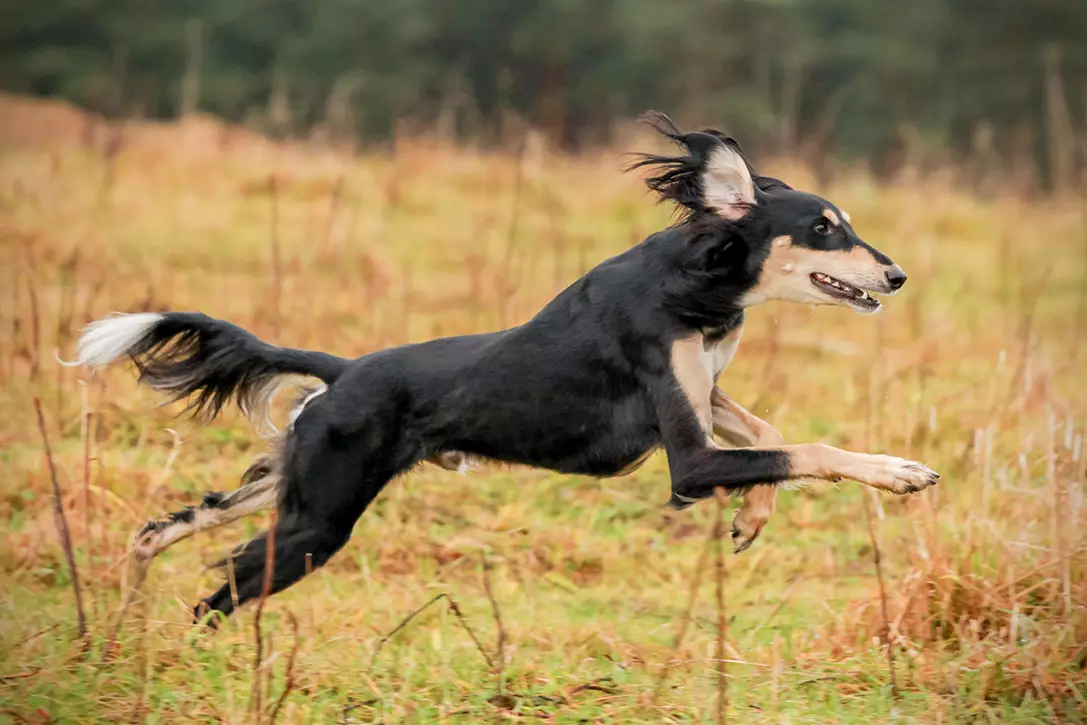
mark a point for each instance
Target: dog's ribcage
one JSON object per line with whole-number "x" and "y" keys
{"x": 715, "y": 358}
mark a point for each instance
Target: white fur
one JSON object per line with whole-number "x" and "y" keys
{"x": 260, "y": 408}
{"x": 727, "y": 186}
{"x": 113, "y": 337}
{"x": 297, "y": 411}
{"x": 249, "y": 499}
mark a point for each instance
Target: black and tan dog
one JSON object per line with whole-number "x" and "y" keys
{"x": 621, "y": 363}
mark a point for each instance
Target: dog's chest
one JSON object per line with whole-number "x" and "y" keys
{"x": 697, "y": 362}
{"x": 717, "y": 354}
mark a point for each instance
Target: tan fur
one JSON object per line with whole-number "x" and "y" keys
{"x": 636, "y": 464}
{"x": 689, "y": 365}
{"x": 886, "y": 473}
{"x": 740, "y": 428}
{"x": 260, "y": 491}
{"x": 720, "y": 354}
{"x": 786, "y": 272}
{"x": 696, "y": 366}
{"x": 832, "y": 217}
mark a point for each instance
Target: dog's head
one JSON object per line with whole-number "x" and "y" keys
{"x": 770, "y": 240}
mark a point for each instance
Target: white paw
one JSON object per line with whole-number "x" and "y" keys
{"x": 900, "y": 476}
{"x": 145, "y": 546}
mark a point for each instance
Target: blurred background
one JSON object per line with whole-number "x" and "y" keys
{"x": 996, "y": 87}
{"x": 348, "y": 175}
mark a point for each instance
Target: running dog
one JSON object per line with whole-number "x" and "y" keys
{"x": 621, "y": 363}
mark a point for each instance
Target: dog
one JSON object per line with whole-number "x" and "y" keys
{"x": 622, "y": 363}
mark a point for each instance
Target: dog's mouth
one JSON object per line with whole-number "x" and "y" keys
{"x": 852, "y": 295}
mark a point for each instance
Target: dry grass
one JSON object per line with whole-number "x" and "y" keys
{"x": 975, "y": 369}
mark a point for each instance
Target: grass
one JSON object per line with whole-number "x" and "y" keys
{"x": 975, "y": 369}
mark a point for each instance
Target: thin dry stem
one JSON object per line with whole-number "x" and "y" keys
{"x": 35, "y": 330}
{"x": 113, "y": 638}
{"x": 146, "y": 673}
{"x": 722, "y": 620}
{"x": 266, "y": 590}
{"x": 455, "y": 608}
{"x": 500, "y": 653}
{"x": 86, "y": 433}
{"x": 507, "y": 283}
{"x": 877, "y": 558}
{"x": 61, "y": 522}
{"x": 277, "y": 263}
{"x": 333, "y": 208}
{"x": 289, "y": 681}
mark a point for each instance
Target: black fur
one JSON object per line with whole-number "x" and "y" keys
{"x": 212, "y": 362}
{"x": 586, "y": 386}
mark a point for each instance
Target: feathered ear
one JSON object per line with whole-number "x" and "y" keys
{"x": 727, "y": 187}
{"x": 712, "y": 177}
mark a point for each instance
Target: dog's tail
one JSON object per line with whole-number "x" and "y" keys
{"x": 212, "y": 362}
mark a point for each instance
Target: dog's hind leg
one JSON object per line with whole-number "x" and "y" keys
{"x": 334, "y": 466}
{"x": 302, "y": 544}
{"x": 304, "y": 541}
{"x": 258, "y": 492}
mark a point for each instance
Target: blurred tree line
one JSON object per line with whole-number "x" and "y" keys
{"x": 996, "y": 84}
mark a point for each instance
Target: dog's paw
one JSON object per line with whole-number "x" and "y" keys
{"x": 902, "y": 477}
{"x": 144, "y": 546}
{"x": 745, "y": 529}
{"x": 757, "y": 509}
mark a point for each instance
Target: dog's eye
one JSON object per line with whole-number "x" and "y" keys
{"x": 822, "y": 227}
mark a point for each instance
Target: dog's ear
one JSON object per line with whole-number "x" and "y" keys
{"x": 727, "y": 187}
{"x": 762, "y": 183}
{"x": 714, "y": 177}
{"x": 769, "y": 183}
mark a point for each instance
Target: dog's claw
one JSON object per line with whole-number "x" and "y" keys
{"x": 742, "y": 545}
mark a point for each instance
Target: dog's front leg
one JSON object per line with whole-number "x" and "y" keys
{"x": 698, "y": 466}
{"x": 738, "y": 427}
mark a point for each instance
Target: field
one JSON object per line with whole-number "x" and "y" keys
{"x": 577, "y": 589}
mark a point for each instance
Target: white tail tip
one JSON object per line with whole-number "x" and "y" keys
{"x": 106, "y": 340}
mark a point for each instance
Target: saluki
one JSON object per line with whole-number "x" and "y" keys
{"x": 621, "y": 363}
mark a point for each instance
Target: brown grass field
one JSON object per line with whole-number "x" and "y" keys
{"x": 976, "y": 369}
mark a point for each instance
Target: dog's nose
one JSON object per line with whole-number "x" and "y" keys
{"x": 896, "y": 277}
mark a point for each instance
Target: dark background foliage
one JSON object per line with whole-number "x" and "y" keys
{"x": 996, "y": 83}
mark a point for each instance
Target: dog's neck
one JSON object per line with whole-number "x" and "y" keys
{"x": 715, "y": 333}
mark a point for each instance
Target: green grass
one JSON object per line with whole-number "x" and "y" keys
{"x": 975, "y": 369}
